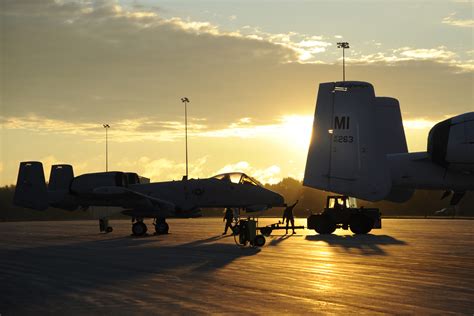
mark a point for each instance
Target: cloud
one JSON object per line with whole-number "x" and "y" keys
{"x": 164, "y": 169}
{"x": 84, "y": 61}
{"x": 295, "y": 127}
{"x": 126, "y": 130}
{"x": 453, "y": 21}
{"x": 419, "y": 123}
{"x": 100, "y": 62}
{"x": 306, "y": 47}
{"x": 392, "y": 57}
{"x": 440, "y": 53}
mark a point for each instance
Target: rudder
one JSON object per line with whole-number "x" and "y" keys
{"x": 60, "y": 177}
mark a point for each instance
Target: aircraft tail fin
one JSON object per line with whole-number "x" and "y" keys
{"x": 391, "y": 139}
{"x": 60, "y": 177}
{"x": 31, "y": 191}
{"x": 344, "y": 154}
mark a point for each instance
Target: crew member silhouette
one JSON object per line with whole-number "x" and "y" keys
{"x": 228, "y": 217}
{"x": 288, "y": 216}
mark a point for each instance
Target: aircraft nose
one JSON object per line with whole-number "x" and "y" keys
{"x": 278, "y": 200}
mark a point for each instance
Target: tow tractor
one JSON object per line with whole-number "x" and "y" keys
{"x": 342, "y": 212}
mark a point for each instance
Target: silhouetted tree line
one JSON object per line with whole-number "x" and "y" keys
{"x": 423, "y": 203}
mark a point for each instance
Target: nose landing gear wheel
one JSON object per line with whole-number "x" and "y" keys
{"x": 139, "y": 229}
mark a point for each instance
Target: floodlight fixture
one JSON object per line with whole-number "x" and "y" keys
{"x": 185, "y": 100}
{"x": 344, "y": 46}
{"x": 106, "y": 126}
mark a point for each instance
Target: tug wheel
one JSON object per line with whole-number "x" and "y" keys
{"x": 324, "y": 225}
{"x": 259, "y": 241}
{"x": 109, "y": 229}
{"x": 361, "y": 224}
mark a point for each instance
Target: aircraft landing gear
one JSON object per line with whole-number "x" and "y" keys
{"x": 161, "y": 226}
{"x": 139, "y": 228}
{"x": 104, "y": 225}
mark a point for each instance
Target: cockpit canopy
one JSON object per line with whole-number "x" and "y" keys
{"x": 237, "y": 177}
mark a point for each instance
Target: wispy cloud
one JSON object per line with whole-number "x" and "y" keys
{"x": 164, "y": 169}
{"x": 128, "y": 130}
{"x": 440, "y": 54}
{"x": 297, "y": 47}
{"x": 295, "y": 127}
{"x": 453, "y": 21}
{"x": 419, "y": 123}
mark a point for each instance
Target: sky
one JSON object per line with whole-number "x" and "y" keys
{"x": 251, "y": 70}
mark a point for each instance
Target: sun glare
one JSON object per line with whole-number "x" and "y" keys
{"x": 296, "y": 129}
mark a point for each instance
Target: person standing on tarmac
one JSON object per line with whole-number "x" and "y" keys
{"x": 228, "y": 217}
{"x": 288, "y": 216}
{"x": 236, "y": 214}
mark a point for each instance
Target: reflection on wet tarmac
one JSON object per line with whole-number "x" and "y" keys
{"x": 67, "y": 268}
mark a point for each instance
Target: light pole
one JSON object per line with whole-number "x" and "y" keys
{"x": 343, "y": 45}
{"x": 106, "y": 126}
{"x": 185, "y": 100}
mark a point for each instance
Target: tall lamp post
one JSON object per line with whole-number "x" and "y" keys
{"x": 106, "y": 126}
{"x": 185, "y": 100}
{"x": 343, "y": 45}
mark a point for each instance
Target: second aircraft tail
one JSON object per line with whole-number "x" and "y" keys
{"x": 353, "y": 131}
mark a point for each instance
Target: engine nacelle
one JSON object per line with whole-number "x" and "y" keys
{"x": 86, "y": 184}
{"x": 451, "y": 143}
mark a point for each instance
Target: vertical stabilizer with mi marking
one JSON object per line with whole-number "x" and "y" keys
{"x": 344, "y": 155}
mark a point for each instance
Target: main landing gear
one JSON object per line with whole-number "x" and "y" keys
{"x": 139, "y": 228}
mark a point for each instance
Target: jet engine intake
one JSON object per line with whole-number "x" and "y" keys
{"x": 88, "y": 183}
{"x": 451, "y": 143}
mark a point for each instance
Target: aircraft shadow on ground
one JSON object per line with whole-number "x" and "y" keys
{"x": 62, "y": 269}
{"x": 365, "y": 244}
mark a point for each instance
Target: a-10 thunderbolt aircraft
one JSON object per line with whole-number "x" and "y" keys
{"x": 134, "y": 196}
{"x": 358, "y": 148}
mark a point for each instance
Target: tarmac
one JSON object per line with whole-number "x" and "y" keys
{"x": 410, "y": 266}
